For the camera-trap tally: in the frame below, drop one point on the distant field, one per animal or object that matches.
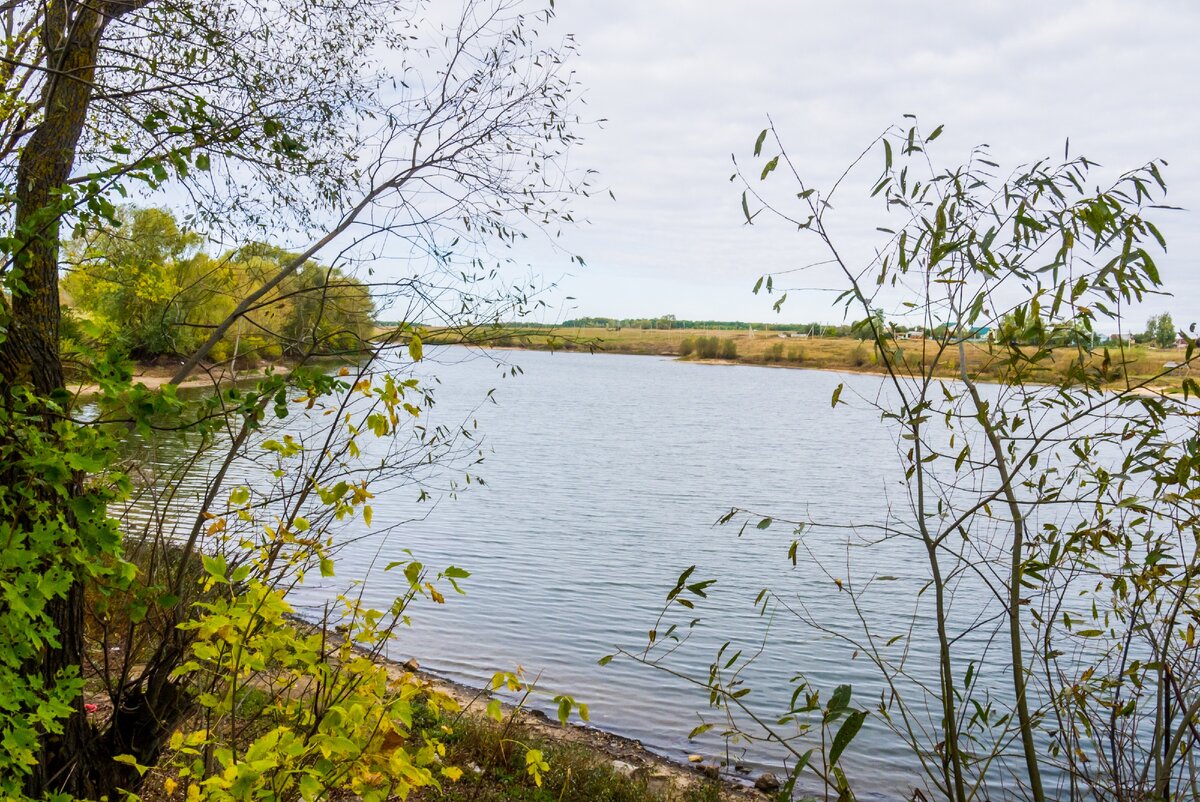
(764, 347)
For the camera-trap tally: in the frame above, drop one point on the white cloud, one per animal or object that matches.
(684, 84)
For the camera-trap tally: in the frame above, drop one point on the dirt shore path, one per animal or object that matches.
(154, 377)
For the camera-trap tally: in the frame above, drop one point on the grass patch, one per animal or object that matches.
(492, 758)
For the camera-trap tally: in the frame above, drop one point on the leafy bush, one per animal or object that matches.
(708, 347)
(270, 351)
(220, 352)
(153, 285)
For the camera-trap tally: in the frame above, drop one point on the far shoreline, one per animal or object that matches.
(832, 359)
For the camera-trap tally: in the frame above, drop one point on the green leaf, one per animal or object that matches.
(840, 699)
(837, 393)
(758, 143)
(215, 567)
(136, 609)
(130, 760)
(936, 133)
(845, 734)
(771, 165)
(494, 711)
(415, 348)
(82, 462)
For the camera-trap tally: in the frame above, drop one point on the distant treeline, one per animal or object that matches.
(1160, 330)
(671, 322)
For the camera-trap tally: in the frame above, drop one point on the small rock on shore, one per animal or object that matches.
(767, 782)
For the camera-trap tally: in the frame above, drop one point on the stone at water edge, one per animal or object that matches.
(410, 664)
(695, 758)
(741, 768)
(623, 768)
(767, 783)
(709, 770)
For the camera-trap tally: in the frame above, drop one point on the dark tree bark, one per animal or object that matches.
(30, 353)
(74, 761)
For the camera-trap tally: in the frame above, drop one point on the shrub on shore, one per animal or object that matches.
(707, 347)
(496, 771)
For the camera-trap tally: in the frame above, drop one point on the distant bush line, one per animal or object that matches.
(708, 347)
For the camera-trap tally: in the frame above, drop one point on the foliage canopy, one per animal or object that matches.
(355, 127)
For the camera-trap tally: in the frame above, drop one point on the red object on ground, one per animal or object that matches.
(89, 708)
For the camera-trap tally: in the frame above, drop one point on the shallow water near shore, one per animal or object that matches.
(604, 477)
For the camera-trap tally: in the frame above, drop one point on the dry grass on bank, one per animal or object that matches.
(984, 361)
(492, 757)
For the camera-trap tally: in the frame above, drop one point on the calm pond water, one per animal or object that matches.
(604, 477)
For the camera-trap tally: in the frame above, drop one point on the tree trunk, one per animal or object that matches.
(29, 352)
(29, 355)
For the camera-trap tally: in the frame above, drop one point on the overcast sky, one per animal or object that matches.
(683, 84)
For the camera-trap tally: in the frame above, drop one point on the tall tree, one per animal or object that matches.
(1161, 330)
(337, 120)
(147, 281)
